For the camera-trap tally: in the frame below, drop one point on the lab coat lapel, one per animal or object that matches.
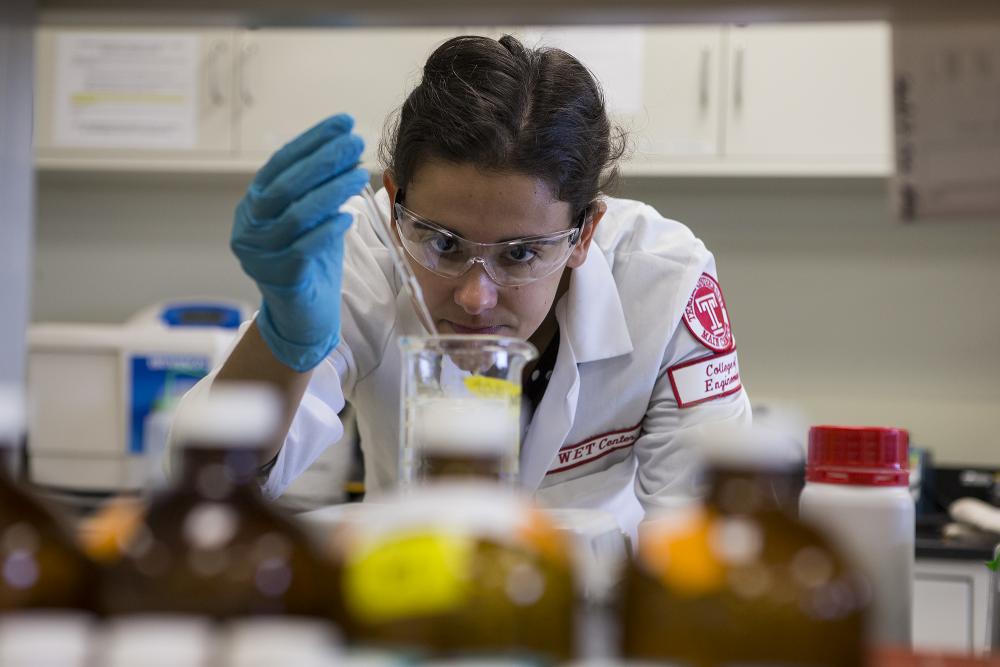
(553, 417)
(595, 319)
(591, 327)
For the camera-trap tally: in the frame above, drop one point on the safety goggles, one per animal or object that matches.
(507, 263)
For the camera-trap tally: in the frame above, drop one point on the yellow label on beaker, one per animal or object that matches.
(487, 387)
(410, 576)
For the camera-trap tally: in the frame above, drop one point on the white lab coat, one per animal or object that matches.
(607, 433)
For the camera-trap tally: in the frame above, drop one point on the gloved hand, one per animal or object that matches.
(288, 234)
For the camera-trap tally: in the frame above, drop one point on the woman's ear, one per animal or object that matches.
(579, 255)
(390, 184)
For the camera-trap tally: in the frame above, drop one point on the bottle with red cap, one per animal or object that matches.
(857, 490)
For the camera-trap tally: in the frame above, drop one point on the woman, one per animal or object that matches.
(498, 142)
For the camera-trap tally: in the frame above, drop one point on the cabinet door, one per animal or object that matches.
(809, 93)
(171, 101)
(942, 613)
(682, 97)
(662, 85)
(292, 79)
(951, 605)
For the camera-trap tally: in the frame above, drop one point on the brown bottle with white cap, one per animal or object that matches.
(456, 569)
(211, 544)
(40, 564)
(738, 580)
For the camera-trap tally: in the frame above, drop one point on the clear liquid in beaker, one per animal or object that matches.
(464, 437)
(461, 407)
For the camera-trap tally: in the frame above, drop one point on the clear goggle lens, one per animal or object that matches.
(508, 263)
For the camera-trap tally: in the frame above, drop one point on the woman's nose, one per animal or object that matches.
(475, 292)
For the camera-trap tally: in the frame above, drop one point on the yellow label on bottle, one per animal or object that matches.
(487, 387)
(409, 576)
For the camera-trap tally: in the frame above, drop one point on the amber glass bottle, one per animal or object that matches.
(211, 544)
(456, 466)
(456, 569)
(739, 580)
(40, 564)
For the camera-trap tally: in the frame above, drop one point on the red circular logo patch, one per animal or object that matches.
(706, 316)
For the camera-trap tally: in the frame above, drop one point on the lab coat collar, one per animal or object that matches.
(594, 320)
(592, 327)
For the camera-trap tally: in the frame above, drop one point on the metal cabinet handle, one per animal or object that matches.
(249, 51)
(703, 79)
(214, 66)
(738, 79)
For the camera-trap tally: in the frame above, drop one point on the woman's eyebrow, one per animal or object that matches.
(434, 225)
(445, 228)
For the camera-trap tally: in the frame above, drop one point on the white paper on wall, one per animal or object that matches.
(126, 90)
(947, 120)
(613, 54)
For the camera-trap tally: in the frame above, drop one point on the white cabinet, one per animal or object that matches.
(787, 99)
(256, 90)
(212, 95)
(950, 605)
(682, 97)
(791, 99)
(943, 618)
(809, 93)
(291, 79)
(673, 115)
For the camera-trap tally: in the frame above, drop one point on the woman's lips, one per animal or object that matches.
(489, 331)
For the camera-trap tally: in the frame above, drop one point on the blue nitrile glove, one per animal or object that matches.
(288, 234)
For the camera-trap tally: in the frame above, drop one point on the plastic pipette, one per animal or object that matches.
(410, 283)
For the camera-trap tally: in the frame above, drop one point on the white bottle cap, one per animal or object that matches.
(45, 639)
(243, 415)
(469, 426)
(12, 415)
(268, 641)
(748, 447)
(158, 641)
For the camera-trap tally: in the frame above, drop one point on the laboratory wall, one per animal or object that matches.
(841, 315)
(16, 182)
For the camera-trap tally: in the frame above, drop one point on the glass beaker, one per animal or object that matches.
(461, 407)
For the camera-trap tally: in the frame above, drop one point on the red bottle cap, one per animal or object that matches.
(858, 455)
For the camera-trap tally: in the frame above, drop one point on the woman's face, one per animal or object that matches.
(488, 207)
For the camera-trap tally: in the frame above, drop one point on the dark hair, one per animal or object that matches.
(507, 108)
